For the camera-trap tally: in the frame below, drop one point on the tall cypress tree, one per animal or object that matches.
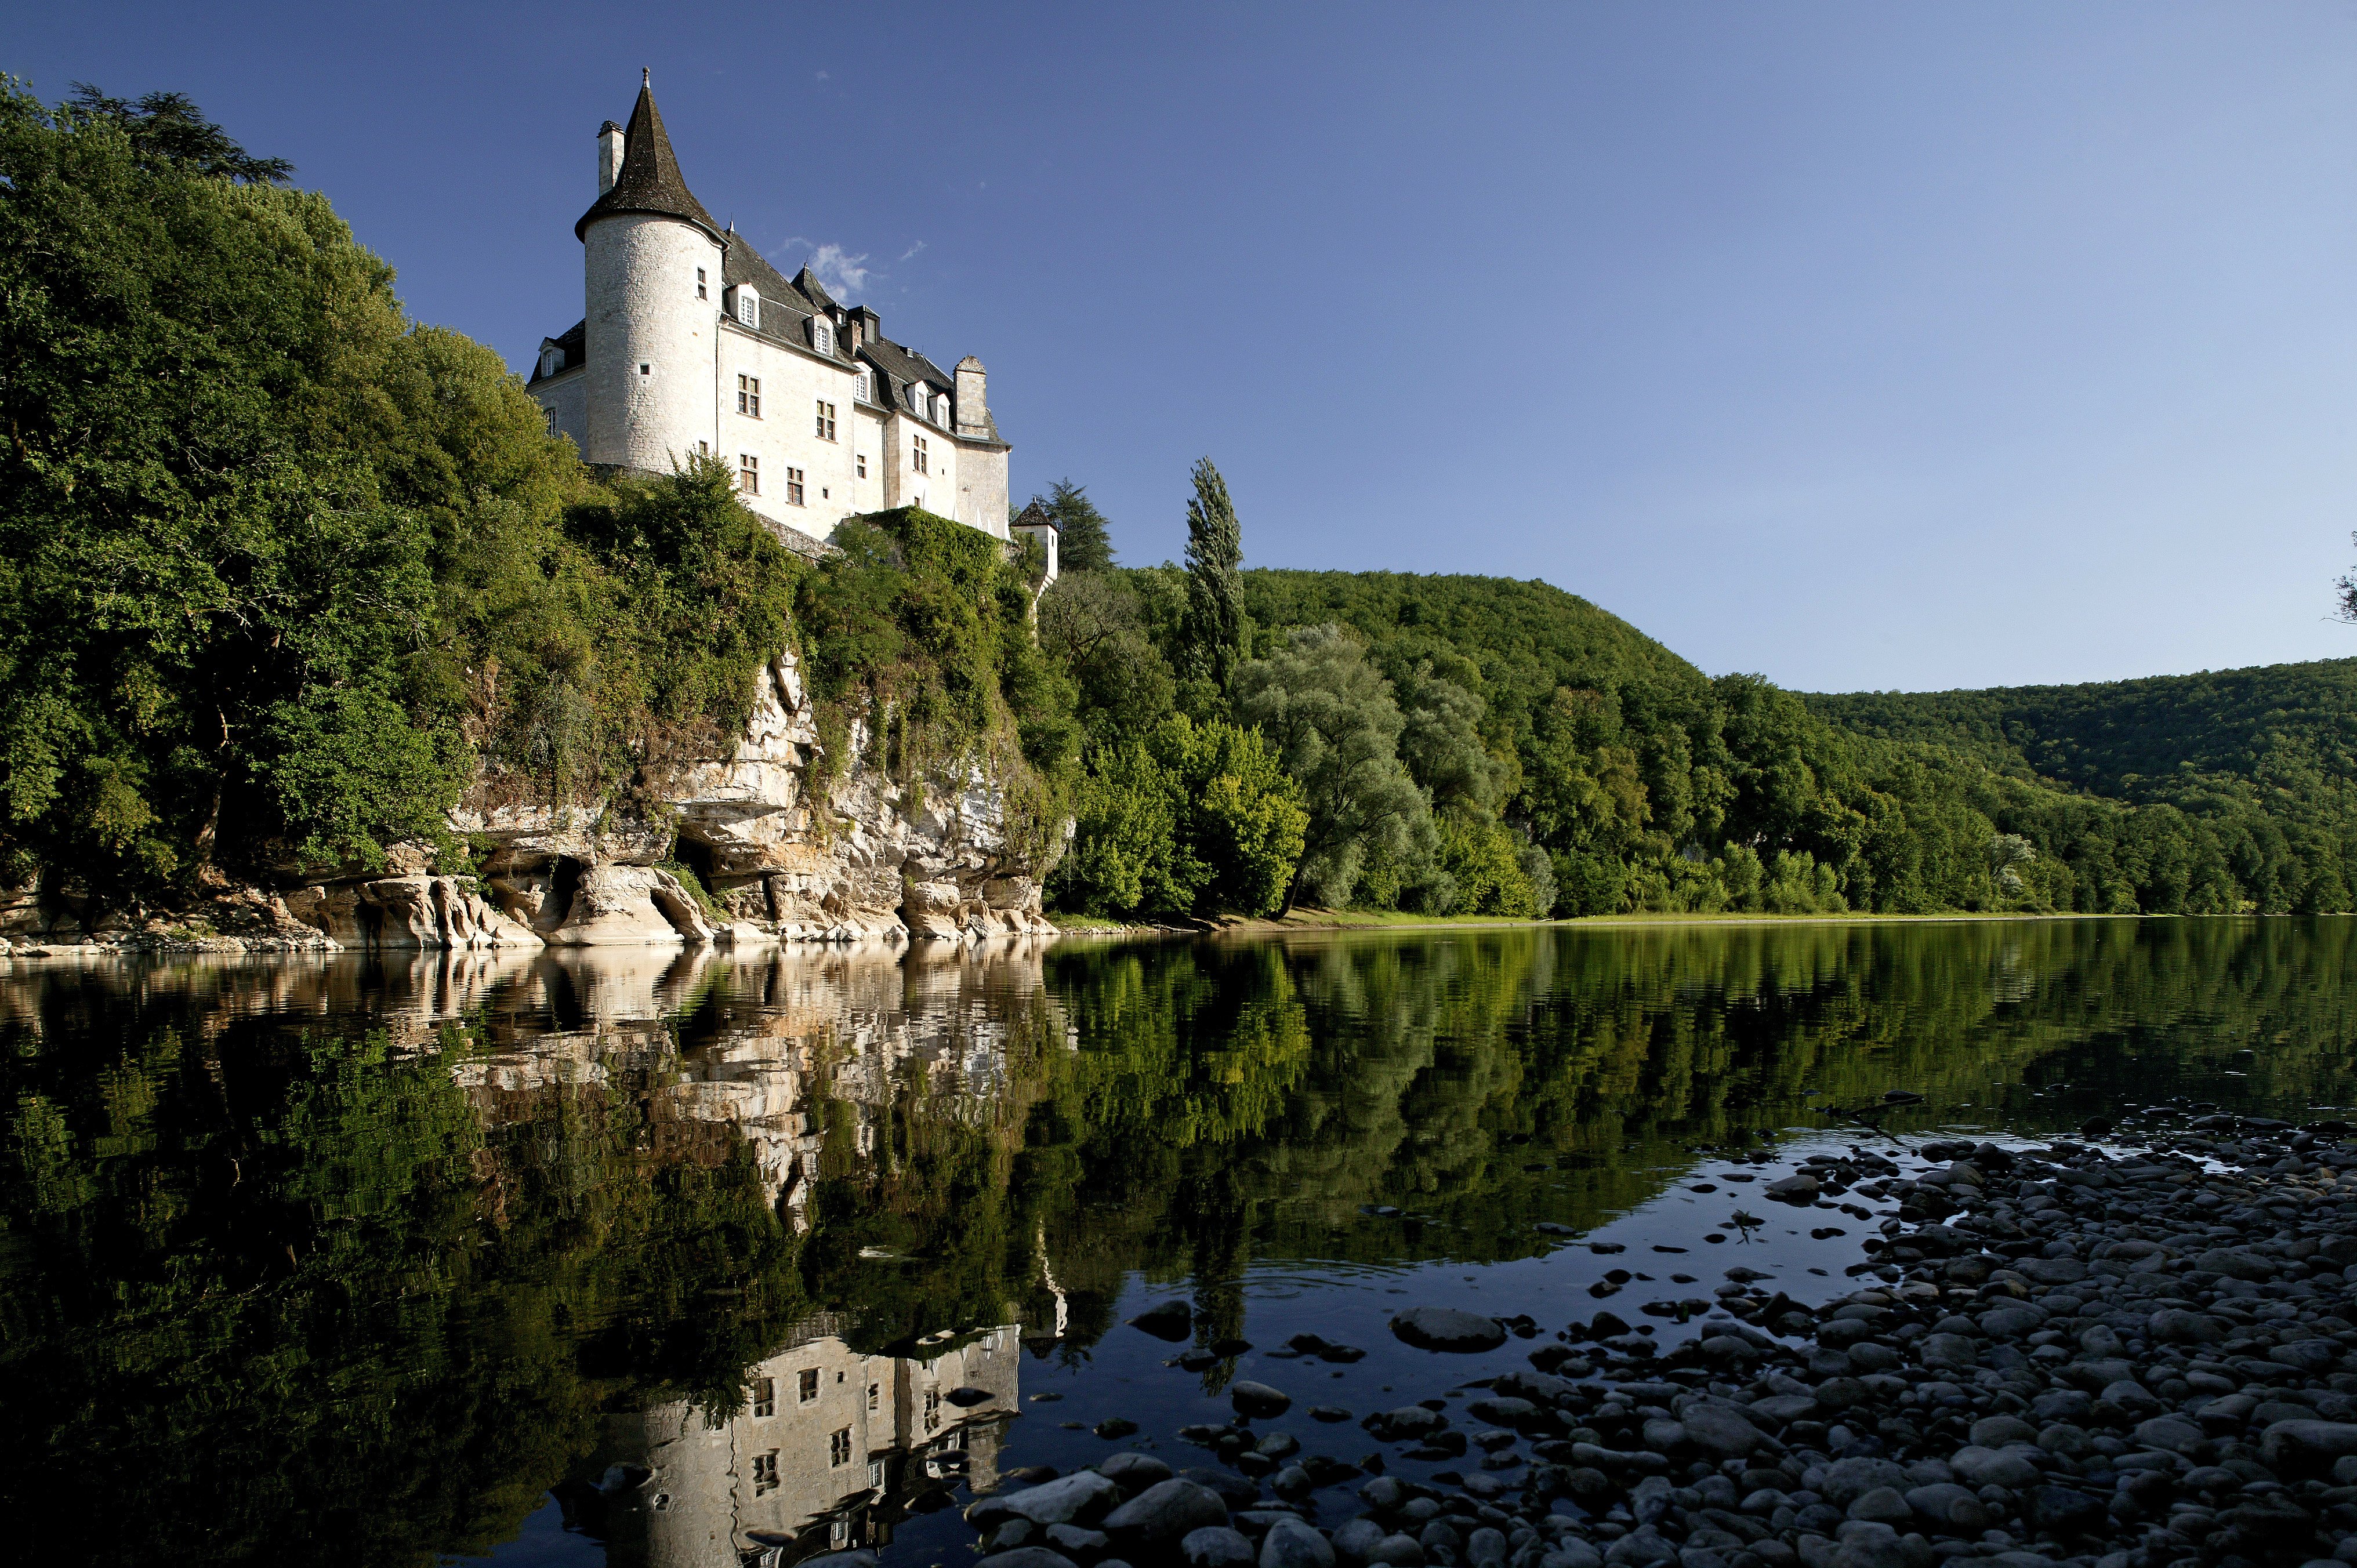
(1216, 628)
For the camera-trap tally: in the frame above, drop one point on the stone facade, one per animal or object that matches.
(691, 343)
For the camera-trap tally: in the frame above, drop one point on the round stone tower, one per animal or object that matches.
(652, 262)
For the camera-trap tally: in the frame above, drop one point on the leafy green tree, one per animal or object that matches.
(1331, 717)
(206, 610)
(1245, 814)
(1093, 625)
(1188, 819)
(1216, 631)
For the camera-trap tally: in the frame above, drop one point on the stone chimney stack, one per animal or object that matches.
(972, 410)
(611, 143)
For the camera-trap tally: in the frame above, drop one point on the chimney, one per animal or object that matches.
(853, 337)
(611, 143)
(971, 408)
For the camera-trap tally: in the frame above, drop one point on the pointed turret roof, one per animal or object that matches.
(650, 180)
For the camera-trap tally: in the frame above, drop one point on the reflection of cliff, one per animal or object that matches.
(801, 1053)
(828, 1452)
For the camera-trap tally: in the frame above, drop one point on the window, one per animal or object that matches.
(749, 305)
(552, 359)
(765, 1397)
(875, 1473)
(823, 336)
(809, 1388)
(918, 460)
(863, 465)
(765, 1471)
(704, 448)
(748, 479)
(859, 388)
(838, 1448)
(794, 498)
(645, 369)
(748, 396)
(873, 1391)
(702, 292)
(933, 1409)
(826, 422)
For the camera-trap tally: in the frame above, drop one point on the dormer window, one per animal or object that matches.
(552, 358)
(859, 388)
(822, 337)
(749, 305)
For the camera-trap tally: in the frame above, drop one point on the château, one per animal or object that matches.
(691, 344)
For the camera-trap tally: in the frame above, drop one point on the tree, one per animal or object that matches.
(1186, 819)
(1215, 631)
(1331, 716)
(205, 603)
(1083, 539)
(1093, 625)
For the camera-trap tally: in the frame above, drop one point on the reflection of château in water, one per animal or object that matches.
(828, 1452)
(831, 1446)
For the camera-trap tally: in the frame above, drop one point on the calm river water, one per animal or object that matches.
(647, 1259)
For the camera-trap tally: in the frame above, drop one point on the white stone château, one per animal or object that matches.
(692, 344)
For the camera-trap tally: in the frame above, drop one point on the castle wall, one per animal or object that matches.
(642, 311)
(786, 435)
(566, 399)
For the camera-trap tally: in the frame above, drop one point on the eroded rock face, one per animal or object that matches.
(873, 859)
(415, 911)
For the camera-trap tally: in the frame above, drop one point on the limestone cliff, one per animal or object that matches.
(872, 859)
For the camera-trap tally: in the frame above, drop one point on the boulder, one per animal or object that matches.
(1133, 1472)
(1294, 1544)
(1846, 1480)
(1159, 1518)
(2307, 1447)
(1977, 1466)
(1216, 1546)
(1171, 1320)
(1258, 1401)
(1722, 1433)
(2175, 1326)
(1447, 1328)
(1082, 1497)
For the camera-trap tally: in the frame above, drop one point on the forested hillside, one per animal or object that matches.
(1560, 759)
(2293, 726)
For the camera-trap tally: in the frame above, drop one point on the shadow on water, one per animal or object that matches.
(669, 1258)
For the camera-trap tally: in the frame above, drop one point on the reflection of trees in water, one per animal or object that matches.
(418, 1221)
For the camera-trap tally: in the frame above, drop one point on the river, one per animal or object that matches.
(648, 1258)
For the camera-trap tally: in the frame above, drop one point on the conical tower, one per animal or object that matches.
(651, 259)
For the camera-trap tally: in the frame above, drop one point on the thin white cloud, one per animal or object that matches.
(912, 250)
(843, 276)
(821, 76)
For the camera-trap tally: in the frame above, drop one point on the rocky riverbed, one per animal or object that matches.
(2116, 1357)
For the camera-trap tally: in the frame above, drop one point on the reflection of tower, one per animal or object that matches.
(824, 1454)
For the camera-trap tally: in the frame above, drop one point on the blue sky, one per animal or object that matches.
(1861, 346)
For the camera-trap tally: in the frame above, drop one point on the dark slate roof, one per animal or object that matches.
(572, 342)
(650, 180)
(906, 365)
(786, 307)
(1036, 515)
(806, 281)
